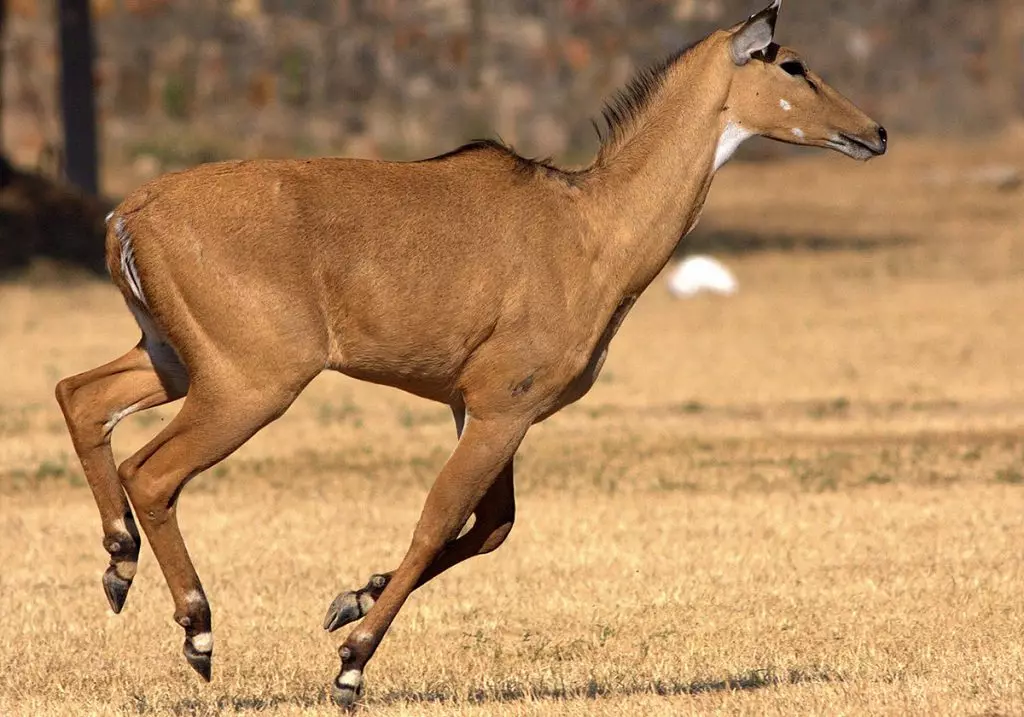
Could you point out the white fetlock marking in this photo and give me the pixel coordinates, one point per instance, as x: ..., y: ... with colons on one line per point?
x: 126, y: 569
x: 203, y: 642
x: 351, y: 678
x: 365, y: 601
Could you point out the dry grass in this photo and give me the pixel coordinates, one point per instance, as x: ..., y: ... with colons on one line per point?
x: 803, y: 500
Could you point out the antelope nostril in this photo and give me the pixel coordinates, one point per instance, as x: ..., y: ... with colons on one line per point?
x: 884, y: 137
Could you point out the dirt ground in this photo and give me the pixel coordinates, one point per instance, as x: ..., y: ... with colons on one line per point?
x: 804, y: 499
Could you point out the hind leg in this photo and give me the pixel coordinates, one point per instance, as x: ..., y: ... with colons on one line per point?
x: 93, y: 402
x: 217, y: 417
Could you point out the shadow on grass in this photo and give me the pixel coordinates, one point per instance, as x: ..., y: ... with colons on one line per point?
x: 197, y: 707
x: 728, y: 241
x: 752, y: 680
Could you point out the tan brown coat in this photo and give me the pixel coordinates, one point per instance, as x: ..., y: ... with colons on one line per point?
x: 479, y: 279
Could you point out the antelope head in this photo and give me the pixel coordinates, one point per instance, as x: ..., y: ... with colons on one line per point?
x: 773, y: 94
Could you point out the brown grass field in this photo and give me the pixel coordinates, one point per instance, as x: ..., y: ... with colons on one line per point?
x: 804, y: 499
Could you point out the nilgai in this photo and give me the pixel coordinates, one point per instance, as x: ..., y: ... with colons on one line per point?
x: 480, y: 279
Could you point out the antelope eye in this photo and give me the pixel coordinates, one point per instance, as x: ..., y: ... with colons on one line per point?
x: 794, y: 68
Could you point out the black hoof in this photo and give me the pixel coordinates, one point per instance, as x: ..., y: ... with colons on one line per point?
x: 116, y: 589
x: 344, y: 609
x: 201, y: 662
x: 354, y: 604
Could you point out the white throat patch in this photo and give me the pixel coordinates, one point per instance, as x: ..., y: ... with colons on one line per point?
x: 732, y: 137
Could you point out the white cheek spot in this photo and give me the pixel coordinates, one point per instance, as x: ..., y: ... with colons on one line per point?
x: 732, y: 137
x: 798, y: 133
x: 203, y: 642
x: 785, y: 105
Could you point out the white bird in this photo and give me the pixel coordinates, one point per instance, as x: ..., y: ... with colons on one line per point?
x: 701, y: 273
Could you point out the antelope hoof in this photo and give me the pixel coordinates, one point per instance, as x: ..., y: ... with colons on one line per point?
x: 347, y: 607
x: 199, y: 653
x: 116, y: 588
x: 347, y: 688
x: 343, y: 610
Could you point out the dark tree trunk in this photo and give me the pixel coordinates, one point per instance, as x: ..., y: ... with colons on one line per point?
x: 3, y: 22
x: 76, y: 95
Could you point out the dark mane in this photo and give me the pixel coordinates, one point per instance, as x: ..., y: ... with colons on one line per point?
x: 521, y: 164
x: 626, y: 106
x: 474, y: 146
x: 620, y: 114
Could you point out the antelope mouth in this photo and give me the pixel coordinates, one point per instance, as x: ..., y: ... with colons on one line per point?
x: 857, y: 148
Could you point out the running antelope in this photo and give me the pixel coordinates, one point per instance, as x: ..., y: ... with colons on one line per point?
x: 479, y: 279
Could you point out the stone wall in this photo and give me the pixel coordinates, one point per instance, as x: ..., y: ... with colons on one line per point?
x: 181, y: 81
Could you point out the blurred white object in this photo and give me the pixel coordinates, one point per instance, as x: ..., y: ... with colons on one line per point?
x: 701, y: 273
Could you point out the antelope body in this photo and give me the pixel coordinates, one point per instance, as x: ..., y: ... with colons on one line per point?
x: 480, y: 279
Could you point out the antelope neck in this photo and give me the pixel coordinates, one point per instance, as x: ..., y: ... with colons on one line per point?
x: 648, y: 190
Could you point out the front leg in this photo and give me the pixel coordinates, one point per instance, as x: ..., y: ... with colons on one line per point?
x: 485, y: 448
x: 495, y: 515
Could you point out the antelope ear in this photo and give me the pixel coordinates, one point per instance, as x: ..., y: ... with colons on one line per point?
x: 756, y: 34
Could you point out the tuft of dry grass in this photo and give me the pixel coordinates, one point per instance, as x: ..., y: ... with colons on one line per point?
x: 803, y: 499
